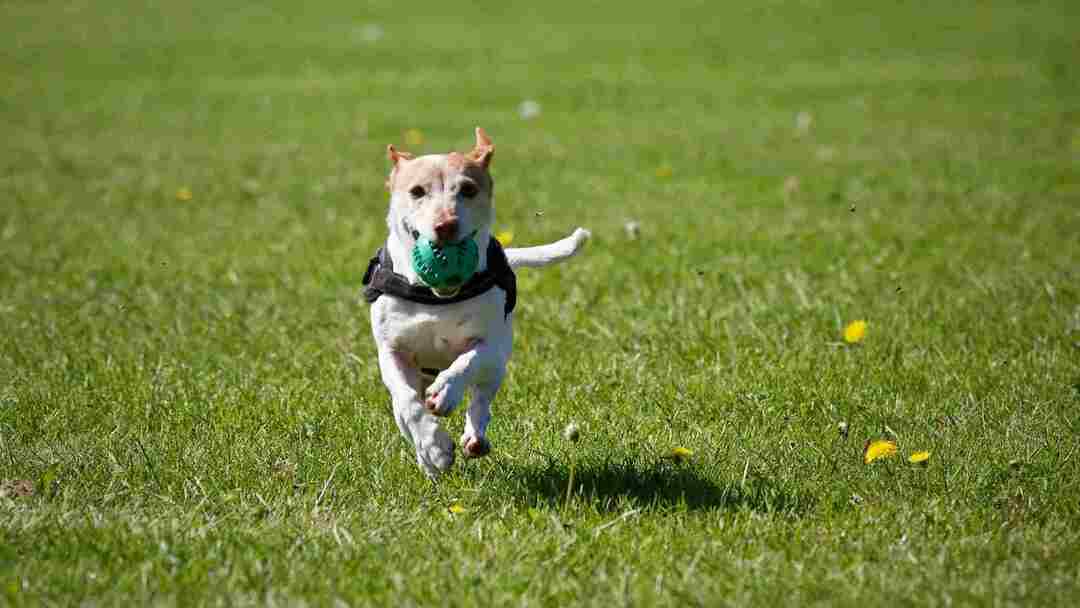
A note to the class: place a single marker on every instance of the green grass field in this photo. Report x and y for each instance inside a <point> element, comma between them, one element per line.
<point>189,384</point>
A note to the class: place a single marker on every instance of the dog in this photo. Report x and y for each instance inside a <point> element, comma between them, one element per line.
<point>436,341</point>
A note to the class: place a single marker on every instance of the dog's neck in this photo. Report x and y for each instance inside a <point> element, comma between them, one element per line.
<point>399,245</point>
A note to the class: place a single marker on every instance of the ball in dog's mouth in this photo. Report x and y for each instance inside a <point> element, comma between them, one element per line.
<point>445,267</point>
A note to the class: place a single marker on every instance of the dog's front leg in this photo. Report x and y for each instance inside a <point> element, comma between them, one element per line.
<point>434,449</point>
<point>446,392</point>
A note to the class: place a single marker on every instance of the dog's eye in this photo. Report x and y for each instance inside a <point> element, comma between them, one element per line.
<point>417,191</point>
<point>469,190</point>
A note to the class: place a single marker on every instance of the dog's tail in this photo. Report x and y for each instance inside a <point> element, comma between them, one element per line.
<point>542,255</point>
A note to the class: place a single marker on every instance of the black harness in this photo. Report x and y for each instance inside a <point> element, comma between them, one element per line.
<point>380,279</point>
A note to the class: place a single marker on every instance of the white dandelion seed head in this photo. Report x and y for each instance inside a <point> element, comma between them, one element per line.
<point>803,121</point>
<point>791,185</point>
<point>369,33</point>
<point>572,432</point>
<point>529,109</point>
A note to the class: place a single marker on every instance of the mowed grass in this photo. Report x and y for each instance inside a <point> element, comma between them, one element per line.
<point>190,386</point>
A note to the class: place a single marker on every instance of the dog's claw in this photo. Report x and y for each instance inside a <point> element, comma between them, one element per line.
<point>475,447</point>
<point>443,397</point>
<point>431,404</point>
<point>439,405</point>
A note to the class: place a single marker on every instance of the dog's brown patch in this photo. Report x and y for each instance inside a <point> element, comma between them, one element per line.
<point>409,172</point>
<point>483,150</point>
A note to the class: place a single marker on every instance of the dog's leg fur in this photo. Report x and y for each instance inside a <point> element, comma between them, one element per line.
<point>474,443</point>
<point>479,360</point>
<point>434,448</point>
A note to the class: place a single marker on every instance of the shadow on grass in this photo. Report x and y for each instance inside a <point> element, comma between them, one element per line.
<point>662,484</point>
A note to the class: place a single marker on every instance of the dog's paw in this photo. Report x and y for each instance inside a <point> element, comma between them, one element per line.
<point>435,455</point>
<point>475,447</point>
<point>444,394</point>
<point>581,235</point>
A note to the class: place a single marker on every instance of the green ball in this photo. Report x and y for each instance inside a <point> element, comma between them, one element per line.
<point>445,266</point>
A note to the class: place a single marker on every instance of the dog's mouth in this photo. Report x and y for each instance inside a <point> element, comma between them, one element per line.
<point>448,292</point>
<point>454,283</point>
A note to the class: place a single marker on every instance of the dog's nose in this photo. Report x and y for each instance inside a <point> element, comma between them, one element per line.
<point>446,230</point>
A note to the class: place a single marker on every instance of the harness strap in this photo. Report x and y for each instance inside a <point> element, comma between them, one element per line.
<point>380,279</point>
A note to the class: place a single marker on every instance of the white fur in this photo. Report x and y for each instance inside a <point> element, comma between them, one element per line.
<point>469,341</point>
<point>532,257</point>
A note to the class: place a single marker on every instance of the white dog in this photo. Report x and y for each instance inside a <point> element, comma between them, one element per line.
<point>434,341</point>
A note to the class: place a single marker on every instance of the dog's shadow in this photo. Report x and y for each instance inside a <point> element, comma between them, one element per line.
<point>612,485</point>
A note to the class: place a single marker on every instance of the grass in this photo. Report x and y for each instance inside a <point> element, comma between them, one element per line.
<point>191,389</point>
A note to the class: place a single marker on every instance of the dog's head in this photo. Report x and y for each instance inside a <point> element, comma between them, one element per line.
<point>442,197</point>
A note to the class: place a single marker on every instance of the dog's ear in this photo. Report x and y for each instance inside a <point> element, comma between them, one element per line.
<point>396,156</point>
<point>483,150</point>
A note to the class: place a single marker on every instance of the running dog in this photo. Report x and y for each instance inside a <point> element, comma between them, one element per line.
<point>437,338</point>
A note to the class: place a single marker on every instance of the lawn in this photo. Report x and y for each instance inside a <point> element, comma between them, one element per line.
<point>190,406</point>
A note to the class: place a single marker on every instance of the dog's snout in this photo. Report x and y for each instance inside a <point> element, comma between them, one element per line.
<point>447,229</point>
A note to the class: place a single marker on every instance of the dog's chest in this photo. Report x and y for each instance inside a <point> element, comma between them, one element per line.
<point>436,335</point>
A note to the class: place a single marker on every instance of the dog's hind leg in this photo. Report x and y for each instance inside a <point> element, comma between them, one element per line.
<point>474,442</point>
<point>434,448</point>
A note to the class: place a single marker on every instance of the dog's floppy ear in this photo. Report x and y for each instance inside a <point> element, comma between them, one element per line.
<point>483,150</point>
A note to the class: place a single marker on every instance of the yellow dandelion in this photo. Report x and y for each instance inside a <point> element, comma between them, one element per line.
<point>414,137</point>
<point>878,448</point>
<point>505,237</point>
<point>455,509</point>
<point>855,332</point>
<point>184,194</point>
<point>664,171</point>
<point>922,458</point>
<point>681,454</point>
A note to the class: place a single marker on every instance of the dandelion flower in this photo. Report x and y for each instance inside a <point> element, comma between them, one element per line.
<point>879,448</point>
<point>414,137</point>
<point>664,171</point>
<point>455,509</point>
<point>505,237</point>
<point>855,332</point>
<point>681,454</point>
<point>184,194</point>
<point>922,458</point>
